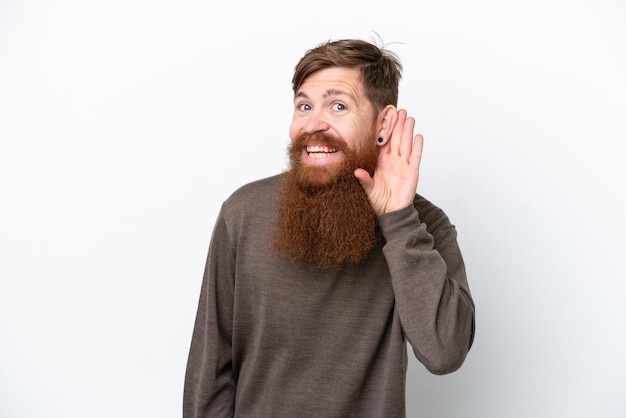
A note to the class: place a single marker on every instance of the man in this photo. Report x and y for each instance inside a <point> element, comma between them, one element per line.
<point>317,277</point>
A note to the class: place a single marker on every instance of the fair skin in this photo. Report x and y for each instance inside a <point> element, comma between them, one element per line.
<point>333,101</point>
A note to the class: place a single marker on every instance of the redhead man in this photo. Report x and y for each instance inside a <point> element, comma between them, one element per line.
<point>317,277</point>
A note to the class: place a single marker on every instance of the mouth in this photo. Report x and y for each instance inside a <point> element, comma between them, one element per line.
<point>319,151</point>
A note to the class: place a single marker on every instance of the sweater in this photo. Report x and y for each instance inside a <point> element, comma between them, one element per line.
<point>273,338</point>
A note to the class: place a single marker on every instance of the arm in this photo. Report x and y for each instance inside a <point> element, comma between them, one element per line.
<point>209,382</point>
<point>427,271</point>
<point>430,286</point>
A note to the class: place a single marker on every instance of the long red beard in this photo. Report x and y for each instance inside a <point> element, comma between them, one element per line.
<point>324,216</point>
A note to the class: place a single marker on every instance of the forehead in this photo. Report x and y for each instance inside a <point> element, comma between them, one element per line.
<point>333,80</point>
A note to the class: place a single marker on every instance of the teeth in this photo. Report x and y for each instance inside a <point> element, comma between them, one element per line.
<point>318,148</point>
<point>318,154</point>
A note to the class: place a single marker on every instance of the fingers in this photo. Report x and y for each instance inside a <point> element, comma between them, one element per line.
<point>406,145</point>
<point>396,135</point>
<point>401,142</point>
<point>416,152</point>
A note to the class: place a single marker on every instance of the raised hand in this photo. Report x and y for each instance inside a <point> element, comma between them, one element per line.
<point>394,183</point>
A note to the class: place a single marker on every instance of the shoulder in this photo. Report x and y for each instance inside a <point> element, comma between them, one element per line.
<point>261,186</point>
<point>254,197</point>
<point>258,190</point>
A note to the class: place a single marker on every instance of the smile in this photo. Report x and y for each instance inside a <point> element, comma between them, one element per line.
<point>317,151</point>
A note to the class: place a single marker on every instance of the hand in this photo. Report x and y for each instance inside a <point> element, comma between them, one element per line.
<point>394,183</point>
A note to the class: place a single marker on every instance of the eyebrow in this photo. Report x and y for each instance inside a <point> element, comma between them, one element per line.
<point>330,92</point>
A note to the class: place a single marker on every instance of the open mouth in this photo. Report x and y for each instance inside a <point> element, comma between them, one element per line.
<point>319,151</point>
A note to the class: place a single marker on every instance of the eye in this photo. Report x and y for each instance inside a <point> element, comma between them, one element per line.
<point>303,107</point>
<point>340,107</point>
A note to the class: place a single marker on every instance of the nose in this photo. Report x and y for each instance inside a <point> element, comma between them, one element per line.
<point>316,122</point>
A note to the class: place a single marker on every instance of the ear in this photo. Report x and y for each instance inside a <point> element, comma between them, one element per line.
<point>387,119</point>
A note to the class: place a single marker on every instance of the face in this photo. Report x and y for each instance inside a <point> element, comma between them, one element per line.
<point>332,117</point>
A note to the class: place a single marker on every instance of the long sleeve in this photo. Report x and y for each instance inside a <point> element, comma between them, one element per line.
<point>430,287</point>
<point>277,338</point>
<point>209,382</point>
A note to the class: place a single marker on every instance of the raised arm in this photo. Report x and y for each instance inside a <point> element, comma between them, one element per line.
<point>430,286</point>
<point>427,271</point>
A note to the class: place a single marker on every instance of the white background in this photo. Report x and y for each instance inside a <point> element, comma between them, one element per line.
<point>125,124</point>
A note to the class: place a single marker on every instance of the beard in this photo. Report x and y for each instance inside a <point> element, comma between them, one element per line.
<point>324,216</point>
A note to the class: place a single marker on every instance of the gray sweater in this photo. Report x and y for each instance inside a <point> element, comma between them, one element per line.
<point>277,339</point>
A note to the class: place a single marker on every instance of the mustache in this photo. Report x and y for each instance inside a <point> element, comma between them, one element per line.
<point>319,138</point>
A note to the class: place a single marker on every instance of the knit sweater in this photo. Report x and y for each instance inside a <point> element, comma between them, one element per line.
<point>278,339</point>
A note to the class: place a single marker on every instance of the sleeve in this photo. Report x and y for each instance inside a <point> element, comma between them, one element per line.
<point>209,388</point>
<point>430,287</point>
